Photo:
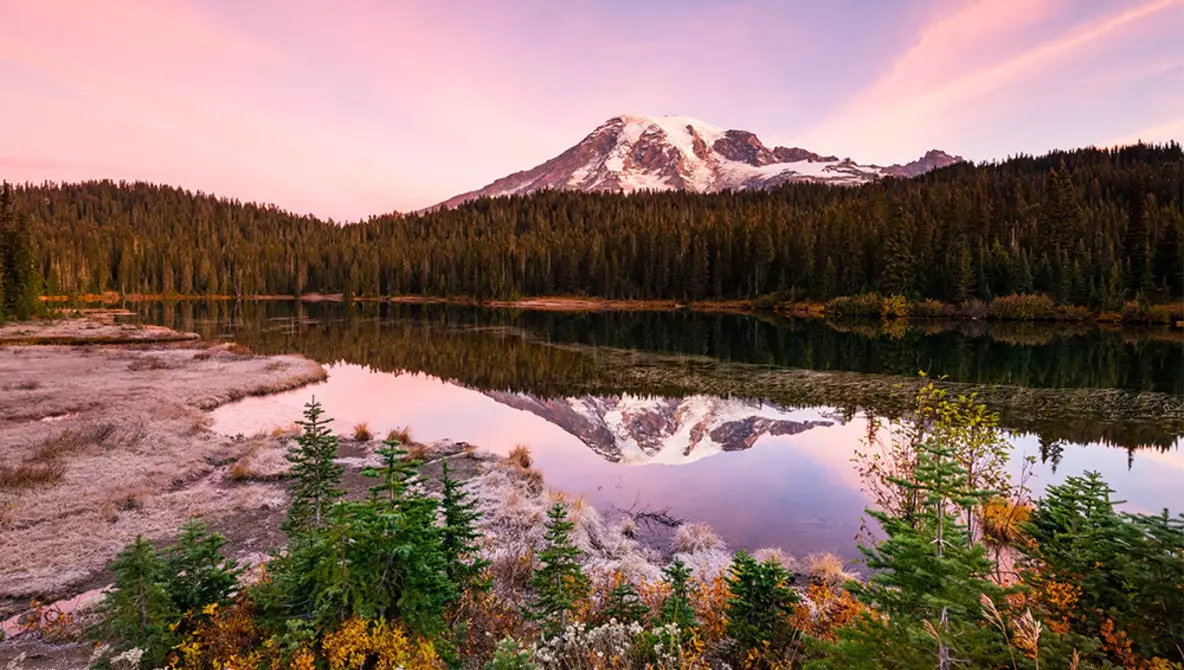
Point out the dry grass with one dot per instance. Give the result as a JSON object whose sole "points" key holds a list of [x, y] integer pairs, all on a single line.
{"points": [[1002, 519], [30, 475], [416, 453], [470, 452], [125, 500], [275, 366], [402, 435], [290, 430], [696, 537], [779, 557], [149, 363], [827, 568], [520, 457], [362, 432]]}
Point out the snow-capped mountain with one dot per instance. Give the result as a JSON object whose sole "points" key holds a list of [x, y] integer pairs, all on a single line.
{"points": [[632, 153], [636, 430]]}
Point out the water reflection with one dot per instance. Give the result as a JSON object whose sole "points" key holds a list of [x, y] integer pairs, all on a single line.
{"points": [[1064, 384], [796, 489]]}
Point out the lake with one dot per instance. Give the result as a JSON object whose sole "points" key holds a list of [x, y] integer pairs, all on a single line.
{"points": [[744, 422]]}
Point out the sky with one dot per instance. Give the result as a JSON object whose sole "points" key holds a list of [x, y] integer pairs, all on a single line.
{"points": [[352, 108]]}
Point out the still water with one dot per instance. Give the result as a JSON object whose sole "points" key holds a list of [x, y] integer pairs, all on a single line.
{"points": [[743, 422]]}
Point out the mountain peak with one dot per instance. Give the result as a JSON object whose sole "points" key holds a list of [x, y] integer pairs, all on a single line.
{"points": [[636, 152]]}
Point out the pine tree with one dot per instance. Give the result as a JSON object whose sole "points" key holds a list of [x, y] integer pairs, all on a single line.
{"points": [[678, 609], [137, 611], [198, 574], [759, 604], [559, 584], [22, 287], [459, 535], [5, 236], [624, 605], [317, 475]]}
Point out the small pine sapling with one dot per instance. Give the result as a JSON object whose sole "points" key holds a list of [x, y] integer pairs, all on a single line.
{"points": [[138, 612], [760, 604], [559, 584], [678, 609], [459, 535], [197, 574], [317, 475]]}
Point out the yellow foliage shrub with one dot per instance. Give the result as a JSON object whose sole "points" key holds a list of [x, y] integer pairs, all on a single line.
{"points": [[378, 645]]}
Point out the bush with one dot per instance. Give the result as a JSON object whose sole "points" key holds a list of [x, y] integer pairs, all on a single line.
{"points": [[894, 307], [867, 304], [520, 456], [1022, 307], [929, 309]]}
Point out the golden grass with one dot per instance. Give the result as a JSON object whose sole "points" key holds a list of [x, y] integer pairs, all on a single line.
{"points": [[416, 453], [827, 568], [362, 432], [401, 435], [1002, 520], [520, 456], [30, 475]]}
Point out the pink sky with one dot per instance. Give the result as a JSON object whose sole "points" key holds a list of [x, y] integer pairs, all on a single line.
{"points": [[354, 108]]}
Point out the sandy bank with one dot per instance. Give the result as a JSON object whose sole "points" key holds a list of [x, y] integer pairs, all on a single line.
{"points": [[100, 443]]}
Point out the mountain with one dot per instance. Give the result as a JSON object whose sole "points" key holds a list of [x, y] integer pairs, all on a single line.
{"points": [[636, 430], [632, 153]]}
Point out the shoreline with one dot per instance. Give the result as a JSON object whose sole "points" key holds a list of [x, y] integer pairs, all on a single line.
{"points": [[103, 439], [1001, 310]]}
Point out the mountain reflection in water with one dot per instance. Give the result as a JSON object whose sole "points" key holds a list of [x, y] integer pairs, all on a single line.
{"points": [[760, 414]]}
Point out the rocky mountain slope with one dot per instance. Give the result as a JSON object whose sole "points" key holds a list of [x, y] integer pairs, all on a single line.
{"points": [[632, 153], [636, 430]]}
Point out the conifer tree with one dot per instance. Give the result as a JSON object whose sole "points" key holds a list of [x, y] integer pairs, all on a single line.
{"points": [[137, 611], [317, 475], [759, 604], [459, 535], [198, 574], [624, 604], [559, 583], [5, 235], [678, 609]]}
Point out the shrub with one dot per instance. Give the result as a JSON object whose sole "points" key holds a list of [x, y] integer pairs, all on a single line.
{"points": [[362, 433], [510, 656], [894, 307], [867, 304], [929, 309], [1022, 307]]}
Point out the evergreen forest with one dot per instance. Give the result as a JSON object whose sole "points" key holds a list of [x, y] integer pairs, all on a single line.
{"points": [[1092, 227]]}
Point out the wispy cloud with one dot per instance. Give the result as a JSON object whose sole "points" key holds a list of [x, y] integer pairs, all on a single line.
{"points": [[938, 82]]}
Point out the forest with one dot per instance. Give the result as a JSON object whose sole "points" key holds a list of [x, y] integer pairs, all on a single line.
{"points": [[1095, 228]]}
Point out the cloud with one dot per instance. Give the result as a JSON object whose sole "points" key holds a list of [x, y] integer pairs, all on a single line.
{"points": [[1160, 132], [937, 83]]}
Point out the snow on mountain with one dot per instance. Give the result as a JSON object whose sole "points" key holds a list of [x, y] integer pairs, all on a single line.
{"points": [[660, 153], [636, 430]]}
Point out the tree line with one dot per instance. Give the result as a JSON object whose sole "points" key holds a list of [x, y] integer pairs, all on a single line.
{"points": [[20, 285], [1091, 227]]}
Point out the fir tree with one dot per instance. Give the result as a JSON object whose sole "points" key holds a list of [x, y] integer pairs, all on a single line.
{"points": [[198, 574], [677, 608], [5, 235], [459, 536], [624, 605], [317, 475], [21, 286], [759, 604], [137, 611], [559, 583]]}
